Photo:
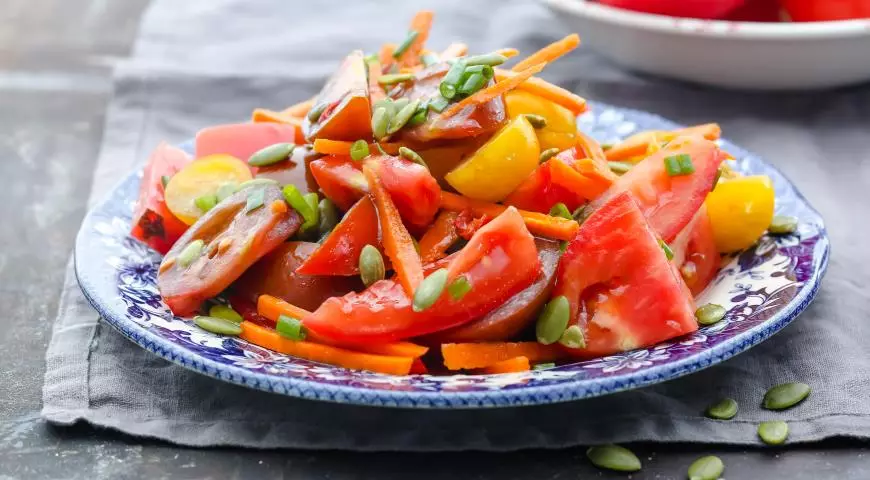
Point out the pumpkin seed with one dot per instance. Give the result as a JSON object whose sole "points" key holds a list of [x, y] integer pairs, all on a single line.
{"points": [[315, 112], [226, 312], [573, 337], [724, 409], [190, 253], [413, 156], [402, 117], [380, 122], [271, 155], [164, 180], [709, 314], [371, 265], [553, 321], [537, 121], [774, 432], [619, 167], [257, 182], [206, 202], [221, 326], [329, 216], [613, 457], [785, 395], [548, 154], [225, 190], [783, 225], [706, 468], [256, 199], [429, 290]]}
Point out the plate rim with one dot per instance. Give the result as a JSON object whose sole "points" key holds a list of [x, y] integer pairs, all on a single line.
{"points": [[571, 390]]}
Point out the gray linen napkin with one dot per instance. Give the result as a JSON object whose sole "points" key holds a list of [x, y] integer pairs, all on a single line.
{"points": [[818, 140]]}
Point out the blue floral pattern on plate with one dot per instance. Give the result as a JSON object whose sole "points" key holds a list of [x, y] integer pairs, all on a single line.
{"points": [[763, 289]]}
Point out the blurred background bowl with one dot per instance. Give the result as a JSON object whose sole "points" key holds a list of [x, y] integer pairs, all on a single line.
{"points": [[743, 55]]}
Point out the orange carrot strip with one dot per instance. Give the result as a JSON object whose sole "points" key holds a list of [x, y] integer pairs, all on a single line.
{"points": [[421, 23], [458, 356], [440, 236], [338, 147], [537, 223], [591, 148], [271, 307], [300, 109], [549, 53], [398, 244], [454, 50], [263, 115], [544, 89], [330, 355], [511, 365], [497, 89], [508, 52], [638, 144], [385, 57], [376, 92]]}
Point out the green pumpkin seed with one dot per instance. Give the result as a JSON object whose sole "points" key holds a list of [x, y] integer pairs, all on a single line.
{"points": [[724, 409], [371, 265], [619, 168], [783, 225], [380, 122], [225, 312], [613, 457], [257, 182], [544, 366], [606, 146], [191, 252], [573, 337], [413, 156], [329, 216], [430, 289], [221, 326], [359, 150], [459, 288], [206, 202], [256, 199], [386, 103], [709, 314], [774, 432], [402, 117], [537, 121], [706, 468], [553, 321], [548, 154], [786, 395], [271, 154], [294, 197], [315, 112], [164, 180], [225, 190], [419, 117]]}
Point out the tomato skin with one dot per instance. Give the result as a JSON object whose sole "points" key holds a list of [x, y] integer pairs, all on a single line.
{"points": [[241, 140], [826, 10], [153, 223], [499, 261], [340, 179], [346, 96], [338, 254], [708, 9], [622, 290], [755, 11], [669, 203], [247, 236], [695, 252]]}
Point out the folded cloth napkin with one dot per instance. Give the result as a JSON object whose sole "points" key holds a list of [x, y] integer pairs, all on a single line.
{"points": [[818, 140]]}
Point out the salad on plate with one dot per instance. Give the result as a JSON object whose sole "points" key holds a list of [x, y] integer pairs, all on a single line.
{"points": [[439, 211]]}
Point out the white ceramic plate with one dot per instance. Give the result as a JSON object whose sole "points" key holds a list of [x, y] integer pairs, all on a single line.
{"points": [[745, 55]]}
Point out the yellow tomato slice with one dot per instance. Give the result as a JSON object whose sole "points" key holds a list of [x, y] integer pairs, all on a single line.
{"points": [[500, 164], [561, 129], [202, 177], [740, 211]]}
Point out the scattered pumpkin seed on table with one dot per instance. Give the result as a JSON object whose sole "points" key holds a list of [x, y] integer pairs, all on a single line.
{"points": [[774, 432], [613, 457], [786, 395], [706, 468], [724, 409]]}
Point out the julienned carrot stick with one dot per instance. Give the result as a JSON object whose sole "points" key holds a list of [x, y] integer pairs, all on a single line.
{"points": [[486, 94], [537, 223], [398, 243], [271, 307], [544, 89], [549, 53], [339, 147], [316, 352], [459, 356], [440, 236], [511, 365], [587, 186], [385, 57], [263, 115], [454, 50], [638, 144], [300, 109], [376, 92], [508, 52], [421, 23]]}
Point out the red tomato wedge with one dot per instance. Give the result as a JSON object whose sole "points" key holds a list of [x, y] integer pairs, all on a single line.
{"points": [[499, 261], [708, 9], [623, 291], [241, 140], [339, 253], [340, 179], [669, 202], [556, 181], [231, 239], [826, 10], [153, 223], [346, 113], [756, 11], [695, 252]]}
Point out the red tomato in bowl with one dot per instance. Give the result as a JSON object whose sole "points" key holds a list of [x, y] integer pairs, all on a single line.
{"points": [[826, 10], [153, 223], [708, 9], [622, 290], [756, 11], [695, 252]]}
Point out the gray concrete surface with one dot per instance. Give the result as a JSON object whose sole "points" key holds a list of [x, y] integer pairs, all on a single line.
{"points": [[55, 66]]}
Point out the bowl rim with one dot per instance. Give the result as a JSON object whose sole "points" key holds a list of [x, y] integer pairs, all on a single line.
{"points": [[692, 27]]}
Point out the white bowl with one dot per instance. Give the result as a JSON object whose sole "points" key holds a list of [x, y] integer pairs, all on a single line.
{"points": [[746, 55]]}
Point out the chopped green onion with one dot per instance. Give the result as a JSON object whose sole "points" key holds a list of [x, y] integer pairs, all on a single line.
{"points": [[206, 202], [561, 210], [473, 83], [548, 154], [450, 83], [672, 166], [619, 168], [256, 199], [165, 180], [413, 156], [686, 165], [676, 165], [296, 200], [667, 249], [544, 366], [359, 150], [484, 70], [406, 44], [315, 112], [402, 117], [429, 58], [394, 78], [489, 59], [458, 288], [190, 253], [438, 104], [292, 328]]}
